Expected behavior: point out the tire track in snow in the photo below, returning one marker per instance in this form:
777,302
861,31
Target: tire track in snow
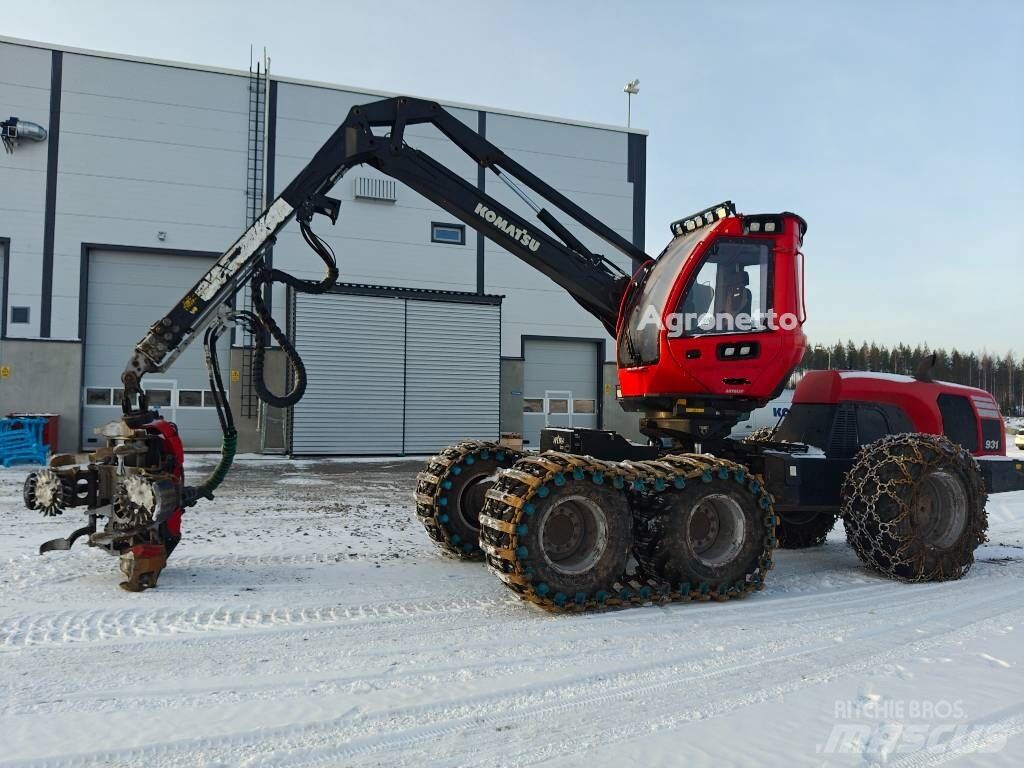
800,669
97,625
403,729
137,622
31,571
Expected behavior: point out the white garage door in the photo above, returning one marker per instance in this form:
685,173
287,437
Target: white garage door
393,375
560,385
128,292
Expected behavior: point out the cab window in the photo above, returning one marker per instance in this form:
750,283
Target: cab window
732,292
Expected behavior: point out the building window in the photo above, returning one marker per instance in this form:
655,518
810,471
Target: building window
533,405
159,398
97,396
584,406
190,398
449,234
19,314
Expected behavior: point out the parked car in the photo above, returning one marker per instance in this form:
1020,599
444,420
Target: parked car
1019,440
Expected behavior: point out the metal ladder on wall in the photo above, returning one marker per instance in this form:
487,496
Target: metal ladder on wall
249,404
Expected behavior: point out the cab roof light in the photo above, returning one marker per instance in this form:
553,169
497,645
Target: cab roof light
703,218
763,224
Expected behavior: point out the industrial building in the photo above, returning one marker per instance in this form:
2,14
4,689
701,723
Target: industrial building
149,169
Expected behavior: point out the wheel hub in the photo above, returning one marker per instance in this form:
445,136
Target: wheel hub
939,512
573,534
471,500
716,530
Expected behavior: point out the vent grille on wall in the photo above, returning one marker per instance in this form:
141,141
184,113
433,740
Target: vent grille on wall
370,188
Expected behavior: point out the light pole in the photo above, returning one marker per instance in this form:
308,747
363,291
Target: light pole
828,350
631,89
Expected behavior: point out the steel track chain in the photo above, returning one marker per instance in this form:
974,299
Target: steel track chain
510,505
435,479
878,493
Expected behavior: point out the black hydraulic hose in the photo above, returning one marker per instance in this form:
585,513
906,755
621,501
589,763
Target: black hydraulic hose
270,326
260,323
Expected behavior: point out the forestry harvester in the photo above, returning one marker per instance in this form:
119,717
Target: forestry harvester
705,333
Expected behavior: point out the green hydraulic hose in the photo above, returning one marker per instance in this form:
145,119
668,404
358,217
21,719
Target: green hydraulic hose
227,456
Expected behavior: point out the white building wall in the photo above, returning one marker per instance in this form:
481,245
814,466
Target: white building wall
148,147
587,165
145,149
376,242
24,93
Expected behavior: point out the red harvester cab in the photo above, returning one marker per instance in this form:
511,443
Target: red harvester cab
713,327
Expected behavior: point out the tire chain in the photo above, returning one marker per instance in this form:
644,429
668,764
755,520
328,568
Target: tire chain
509,506
431,485
761,435
868,482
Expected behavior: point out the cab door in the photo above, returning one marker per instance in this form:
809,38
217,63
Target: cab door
722,332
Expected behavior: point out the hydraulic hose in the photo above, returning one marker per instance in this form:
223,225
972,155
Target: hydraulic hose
261,323
270,326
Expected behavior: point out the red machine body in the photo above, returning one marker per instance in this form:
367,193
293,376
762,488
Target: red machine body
171,446
967,415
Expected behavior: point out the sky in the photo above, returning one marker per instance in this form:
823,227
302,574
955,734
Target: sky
895,128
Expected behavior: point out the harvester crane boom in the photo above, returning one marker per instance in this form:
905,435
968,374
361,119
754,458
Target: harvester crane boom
374,134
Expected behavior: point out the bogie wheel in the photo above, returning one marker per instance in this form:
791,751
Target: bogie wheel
914,507
578,540
800,530
450,493
716,536
557,529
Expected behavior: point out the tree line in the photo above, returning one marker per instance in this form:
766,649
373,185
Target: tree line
1001,376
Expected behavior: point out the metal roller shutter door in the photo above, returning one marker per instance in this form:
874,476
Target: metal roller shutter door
452,368
126,292
353,348
393,375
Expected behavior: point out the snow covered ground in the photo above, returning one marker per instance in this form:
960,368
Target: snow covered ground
305,620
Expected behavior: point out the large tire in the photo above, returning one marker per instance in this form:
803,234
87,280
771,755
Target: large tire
578,541
450,493
803,530
914,507
713,536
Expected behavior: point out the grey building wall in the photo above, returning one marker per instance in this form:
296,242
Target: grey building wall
38,382
626,424
25,93
145,148
589,166
250,430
